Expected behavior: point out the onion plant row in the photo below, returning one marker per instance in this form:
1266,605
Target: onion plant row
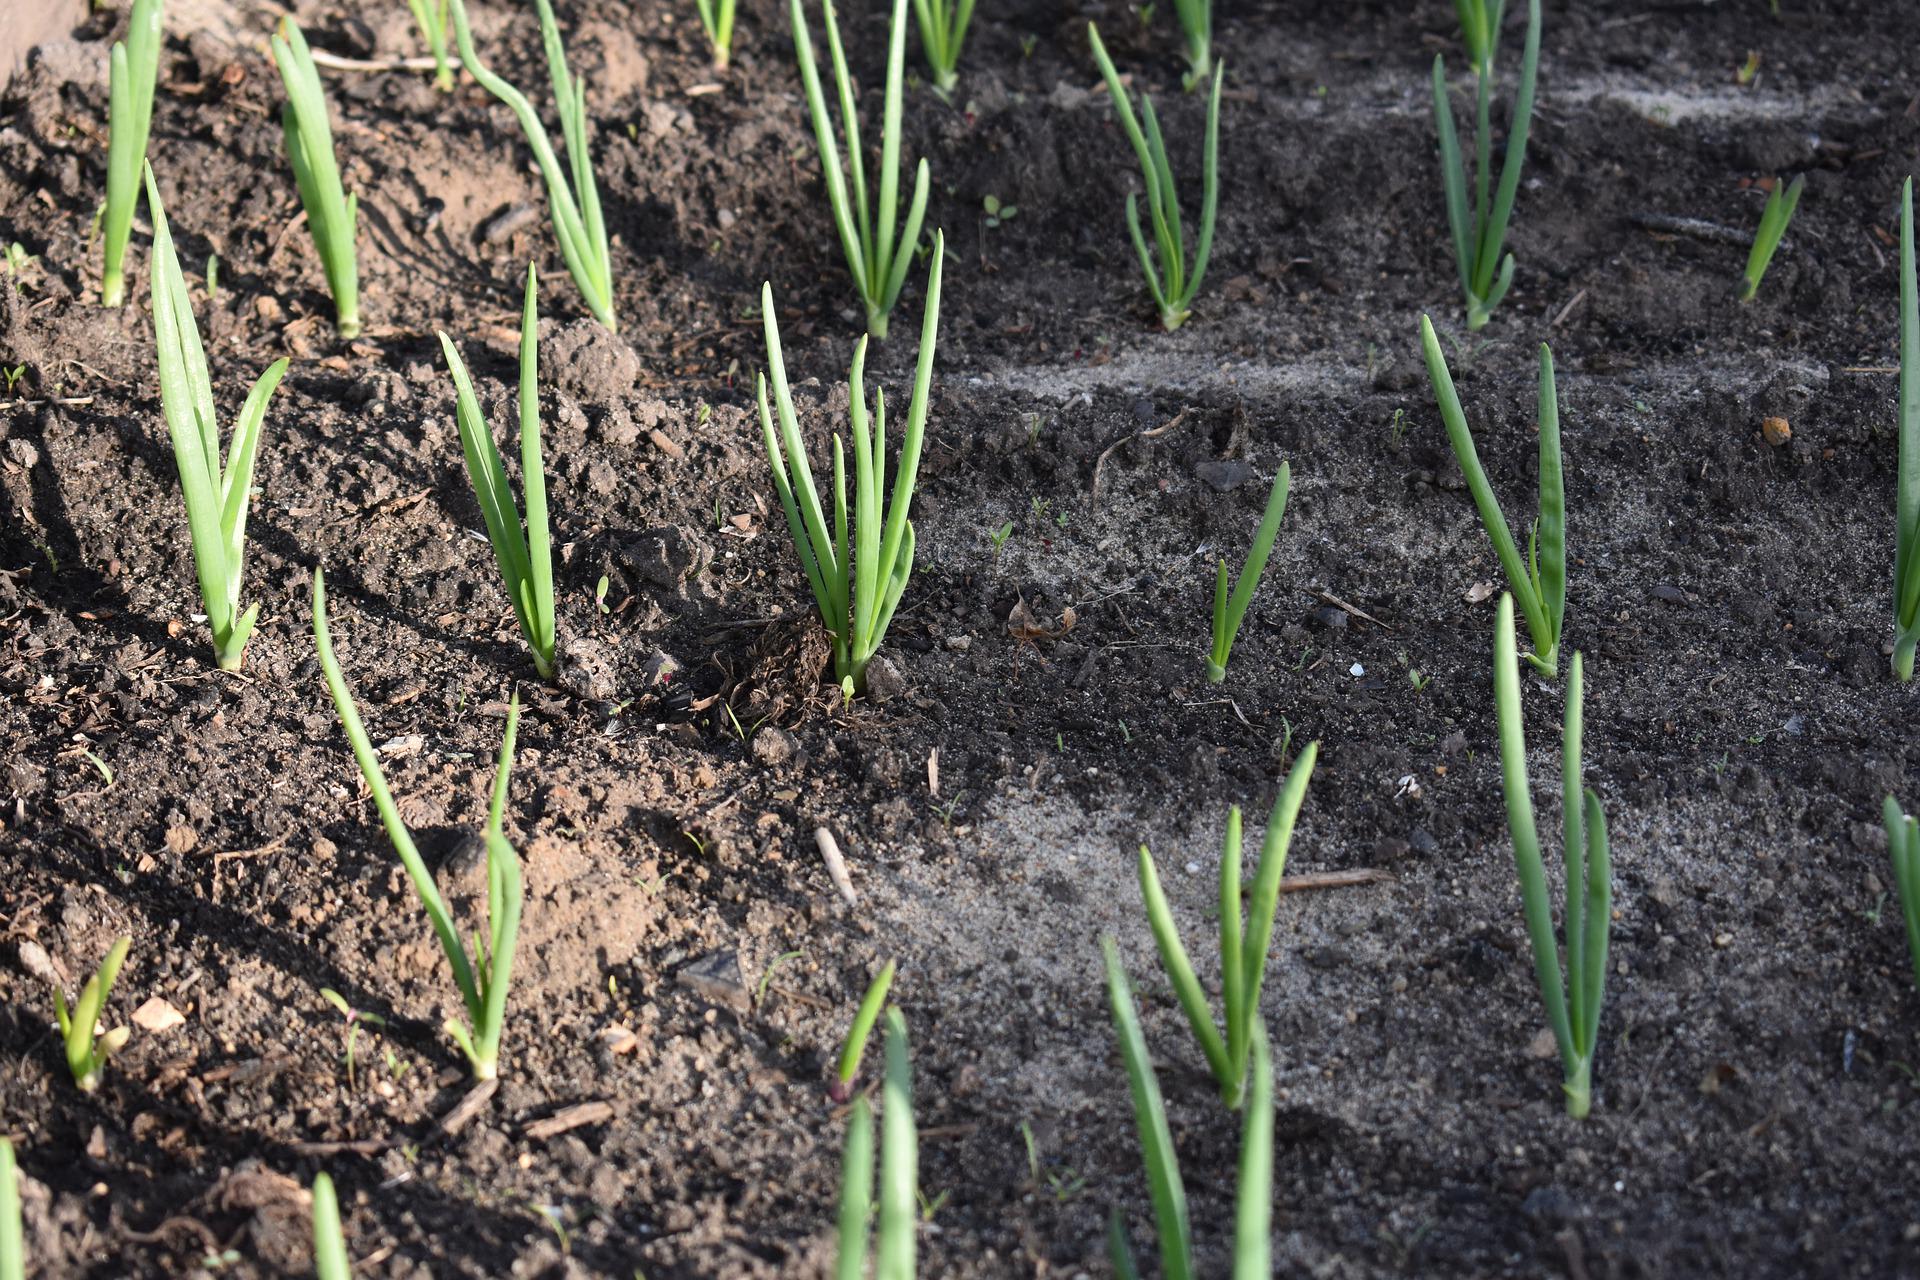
482,978
133,67
1174,281
858,566
525,557
1478,223
332,214
217,496
572,195
1539,581
1244,942
1572,1000
878,248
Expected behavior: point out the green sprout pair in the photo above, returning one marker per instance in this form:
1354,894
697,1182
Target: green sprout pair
717,17
525,558
893,1252
877,251
1906,561
483,979
1903,843
1243,944
431,17
943,30
329,1244
87,1052
1773,225
332,215
132,70
1479,229
857,569
572,195
1173,283
1253,1217
1539,581
217,497
1229,610
1572,1002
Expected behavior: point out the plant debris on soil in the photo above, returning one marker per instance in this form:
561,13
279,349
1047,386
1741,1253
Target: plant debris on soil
688,964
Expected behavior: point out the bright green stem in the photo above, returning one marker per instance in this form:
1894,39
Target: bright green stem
1579,1089
1903,657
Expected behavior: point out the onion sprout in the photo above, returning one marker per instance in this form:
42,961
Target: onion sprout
1230,610
332,215
132,70
87,1052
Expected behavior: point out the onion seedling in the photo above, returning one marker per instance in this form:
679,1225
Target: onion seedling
13,1247
572,195
1243,945
87,1052
899,1172
331,214
1173,283
134,66
1903,842
717,17
1479,231
431,17
1253,1216
856,1045
867,234
943,30
856,584
1230,611
329,1245
217,497
1573,1004
483,979
1539,581
1906,563
525,559
1196,24
1773,225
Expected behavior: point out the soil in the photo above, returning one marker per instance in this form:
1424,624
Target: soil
686,960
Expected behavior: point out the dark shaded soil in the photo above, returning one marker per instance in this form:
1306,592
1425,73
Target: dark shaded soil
1756,1089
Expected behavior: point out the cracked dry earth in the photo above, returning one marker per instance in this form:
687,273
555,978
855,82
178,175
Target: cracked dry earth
687,966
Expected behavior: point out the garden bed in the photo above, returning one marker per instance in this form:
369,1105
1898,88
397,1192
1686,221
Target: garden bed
686,959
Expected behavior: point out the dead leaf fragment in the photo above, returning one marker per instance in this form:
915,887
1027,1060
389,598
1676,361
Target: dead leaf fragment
1775,431
156,1015
1480,593
1023,626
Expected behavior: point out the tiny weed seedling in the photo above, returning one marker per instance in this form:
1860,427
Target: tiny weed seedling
332,214
1903,843
1906,561
999,537
847,1071
1479,226
356,1018
525,557
994,212
132,69
483,978
857,568
1773,225
431,17
1572,1003
572,195
877,247
899,1173
1539,581
329,1245
1230,605
87,1052
1243,943
1254,1201
1173,283
943,31
217,497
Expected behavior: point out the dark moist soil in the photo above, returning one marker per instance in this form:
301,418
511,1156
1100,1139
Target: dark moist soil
687,968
